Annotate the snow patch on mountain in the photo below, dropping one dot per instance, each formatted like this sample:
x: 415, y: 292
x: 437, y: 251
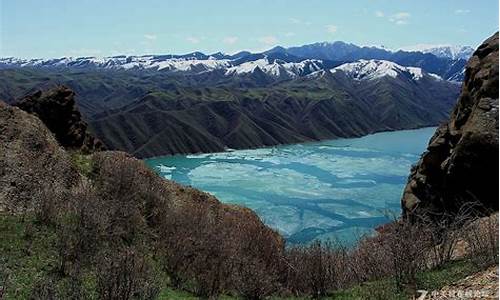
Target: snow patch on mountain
x: 374, y: 69
x: 125, y: 62
x: 446, y: 51
x: 277, y: 68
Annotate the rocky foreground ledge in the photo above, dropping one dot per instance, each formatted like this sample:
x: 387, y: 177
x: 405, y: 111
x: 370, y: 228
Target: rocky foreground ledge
x: 461, y: 162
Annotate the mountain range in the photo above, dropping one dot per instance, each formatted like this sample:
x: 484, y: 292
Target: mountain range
x: 447, y: 62
x: 447, y: 51
x: 167, y: 104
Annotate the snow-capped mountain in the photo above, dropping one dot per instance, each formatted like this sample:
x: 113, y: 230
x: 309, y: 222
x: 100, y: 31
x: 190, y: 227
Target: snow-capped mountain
x: 447, y: 63
x: 278, y: 63
x: 374, y: 69
x: 444, y: 51
x: 189, y: 64
x: 277, y: 68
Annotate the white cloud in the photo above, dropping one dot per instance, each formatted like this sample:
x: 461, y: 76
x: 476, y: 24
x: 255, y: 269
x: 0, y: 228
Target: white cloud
x: 400, y: 18
x: 193, y: 40
x: 150, y: 37
x: 379, y: 14
x: 299, y: 21
x: 331, y: 28
x: 289, y: 34
x: 269, y: 40
x: 230, y: 40
x: 462, y: 11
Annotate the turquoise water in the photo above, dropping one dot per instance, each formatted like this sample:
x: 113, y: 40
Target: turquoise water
x: 337, y: 189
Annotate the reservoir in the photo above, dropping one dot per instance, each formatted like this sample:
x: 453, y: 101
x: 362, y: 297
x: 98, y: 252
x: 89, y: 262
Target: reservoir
x: 336, y: 189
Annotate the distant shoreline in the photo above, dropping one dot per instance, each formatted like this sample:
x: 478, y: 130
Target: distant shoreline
x: 288, y: 144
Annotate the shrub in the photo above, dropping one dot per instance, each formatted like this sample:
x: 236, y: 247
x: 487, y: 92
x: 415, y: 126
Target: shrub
x: 482, y: 238
x: 407, y: 246
x: 125, y: 274
x: 315, y: 269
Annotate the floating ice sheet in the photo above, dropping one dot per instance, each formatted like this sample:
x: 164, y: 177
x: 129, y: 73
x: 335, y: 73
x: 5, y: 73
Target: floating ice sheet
x: 336, y: 189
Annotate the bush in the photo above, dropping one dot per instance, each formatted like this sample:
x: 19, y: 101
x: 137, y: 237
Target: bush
x: 125, y: 274
x: 315, y: 269
x: 82, y: 230
x: 208, y: 249
x: 407, y: 246
x: 482, y: 239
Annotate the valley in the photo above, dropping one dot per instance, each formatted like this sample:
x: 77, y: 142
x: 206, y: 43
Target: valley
x: 156, y: 113
x: 252, y: 150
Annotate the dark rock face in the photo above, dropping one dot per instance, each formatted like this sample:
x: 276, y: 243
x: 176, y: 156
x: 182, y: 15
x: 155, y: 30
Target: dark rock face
x: 461, y: 161
x: 58, y: 111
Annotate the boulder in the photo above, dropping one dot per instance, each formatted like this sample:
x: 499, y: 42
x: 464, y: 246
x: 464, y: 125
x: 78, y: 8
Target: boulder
x: 460, y: 165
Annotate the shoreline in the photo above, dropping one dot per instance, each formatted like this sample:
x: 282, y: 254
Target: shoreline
x: 288, y: 144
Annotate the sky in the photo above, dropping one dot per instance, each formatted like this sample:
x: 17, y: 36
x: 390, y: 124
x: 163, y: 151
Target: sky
x: 57, y: 28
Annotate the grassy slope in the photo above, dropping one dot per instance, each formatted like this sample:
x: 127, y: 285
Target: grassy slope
x: 28, y: 254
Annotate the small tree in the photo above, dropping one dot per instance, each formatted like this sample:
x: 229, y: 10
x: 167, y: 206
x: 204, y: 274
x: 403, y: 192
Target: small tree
x: 407, y: 246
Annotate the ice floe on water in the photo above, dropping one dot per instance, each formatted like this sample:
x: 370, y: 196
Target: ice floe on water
x: 338, y: 189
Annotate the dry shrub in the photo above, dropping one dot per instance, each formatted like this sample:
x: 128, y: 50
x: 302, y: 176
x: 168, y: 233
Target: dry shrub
x: 368, y: 261
x: 125, y: 274
x: 209, y: 248
x: 82, y: 229
x: 481, y: 236
x: 194, y: 252
x: 445, y: 233
x: 103, y: 230
x: 257, y: 254
x: 44, y: 289
x: 399, y: 250
x: 316, y: 269
x: 407, y: 246
x: 444, y: 237
x: 53, y: 200
x: 126, y: 217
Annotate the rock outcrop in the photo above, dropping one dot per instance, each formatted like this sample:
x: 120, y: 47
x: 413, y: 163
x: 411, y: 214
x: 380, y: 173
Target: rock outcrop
x: 58, y: 110
x: 461, y: 162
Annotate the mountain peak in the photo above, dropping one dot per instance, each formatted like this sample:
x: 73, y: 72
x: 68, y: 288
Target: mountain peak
x: 443, y: 51
x: 277, y: 49
x: 374, y: 69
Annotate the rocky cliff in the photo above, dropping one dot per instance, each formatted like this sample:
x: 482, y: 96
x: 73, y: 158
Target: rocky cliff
x: 58, y: 111
x: 461, y: 162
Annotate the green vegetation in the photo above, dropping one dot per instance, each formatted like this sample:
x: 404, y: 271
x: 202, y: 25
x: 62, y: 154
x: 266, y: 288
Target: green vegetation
x: 82, y: 162
x: 427, y: 280
x: 29, y: 256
